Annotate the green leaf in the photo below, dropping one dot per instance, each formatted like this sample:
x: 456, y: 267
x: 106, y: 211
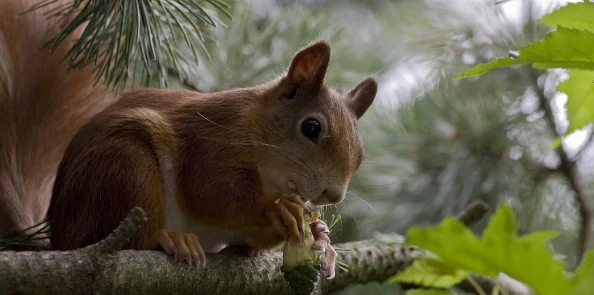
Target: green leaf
x: 539, y: 237
x: 580, y: 98
x: 563, y: 48
x: 430, y: 272
x: 502, y: 225
x: 448, y: 240
x: 573, y: 15
x: 525, y: 258
x: 583, y: 281
x: 429, y: 292
x: 482, y: 68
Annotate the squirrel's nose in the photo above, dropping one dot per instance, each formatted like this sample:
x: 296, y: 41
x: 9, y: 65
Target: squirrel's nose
x: 330, y: 196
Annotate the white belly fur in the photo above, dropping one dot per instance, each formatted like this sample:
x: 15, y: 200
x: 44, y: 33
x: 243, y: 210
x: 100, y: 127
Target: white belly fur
x: 211, y: 239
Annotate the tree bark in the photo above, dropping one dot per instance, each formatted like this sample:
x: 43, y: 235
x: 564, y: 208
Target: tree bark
x: 142, y: 272
x: 103, y: 269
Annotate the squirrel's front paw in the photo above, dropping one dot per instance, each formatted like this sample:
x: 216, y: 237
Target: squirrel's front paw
x: 183, y: 246
x: 286, y: 216
x: 320, y: 231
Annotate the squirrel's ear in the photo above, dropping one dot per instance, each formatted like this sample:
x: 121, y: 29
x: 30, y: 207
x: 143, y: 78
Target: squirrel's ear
x: 360, y: 98
x: 309, y: 65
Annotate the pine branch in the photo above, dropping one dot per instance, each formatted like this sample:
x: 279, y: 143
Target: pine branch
x: 35, y: 237
x: 100, y: 268
x: 569, y: 169
x: 124, y: 38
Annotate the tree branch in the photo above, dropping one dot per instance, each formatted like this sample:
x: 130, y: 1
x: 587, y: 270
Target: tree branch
x: 154, y: 272
x: 569, y: 170
x: 100, y: 268
x: 473, y: 213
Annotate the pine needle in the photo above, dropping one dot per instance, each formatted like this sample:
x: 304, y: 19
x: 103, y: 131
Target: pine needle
x: 134, y: 37
x: 18, y: 238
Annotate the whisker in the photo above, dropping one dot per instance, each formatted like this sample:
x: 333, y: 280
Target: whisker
x: 296, y: 156
x: 331, y: 167
x: 234, y: 131
x: 219, y: 125
x: 352, y: 214
x: 335, y: 234
x: 361, y: 199
x: 290, y: 168
x: 291, y: 160
x: 271, y: 146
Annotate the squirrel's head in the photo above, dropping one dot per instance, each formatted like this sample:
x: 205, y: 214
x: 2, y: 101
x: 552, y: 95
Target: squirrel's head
x: 313, y: 145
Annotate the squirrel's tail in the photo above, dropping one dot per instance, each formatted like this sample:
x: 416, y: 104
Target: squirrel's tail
x: 41, y: 108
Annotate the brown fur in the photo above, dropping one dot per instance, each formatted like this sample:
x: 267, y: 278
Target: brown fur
x: 229, y: 148
x: 41, y: 108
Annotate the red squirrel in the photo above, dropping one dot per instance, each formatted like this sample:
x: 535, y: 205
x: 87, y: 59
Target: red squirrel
x: 213, y: 171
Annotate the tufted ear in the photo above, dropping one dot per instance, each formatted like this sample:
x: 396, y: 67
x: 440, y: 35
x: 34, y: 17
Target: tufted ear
x: 360, y: 98
x: 309, y: 65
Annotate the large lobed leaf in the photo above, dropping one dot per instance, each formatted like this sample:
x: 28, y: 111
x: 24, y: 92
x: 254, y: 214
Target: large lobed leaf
x: 570, y: 46
x: 584, y: 276
x: 432, y: 272
x: 524, y: 258
x: 563, y: 48
x: 579, y: 87
x: 572, y: 15
x: 483, y: 68
x: 580, y: 103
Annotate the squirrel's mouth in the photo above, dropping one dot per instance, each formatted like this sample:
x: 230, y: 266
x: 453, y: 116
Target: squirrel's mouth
x: 294, y: 188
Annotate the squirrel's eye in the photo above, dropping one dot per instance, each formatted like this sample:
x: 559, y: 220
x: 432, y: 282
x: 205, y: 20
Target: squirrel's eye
x: 311, y: 128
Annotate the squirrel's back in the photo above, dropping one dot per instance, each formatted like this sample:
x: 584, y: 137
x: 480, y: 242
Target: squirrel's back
x: 41, y: 108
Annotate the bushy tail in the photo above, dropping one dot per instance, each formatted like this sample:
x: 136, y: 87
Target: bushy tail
x: 41, y: 108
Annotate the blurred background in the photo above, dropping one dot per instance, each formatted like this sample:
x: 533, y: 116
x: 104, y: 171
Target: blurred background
x: 434, y: 144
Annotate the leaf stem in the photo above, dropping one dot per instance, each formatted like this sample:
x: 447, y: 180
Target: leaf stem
x: 476, y: 286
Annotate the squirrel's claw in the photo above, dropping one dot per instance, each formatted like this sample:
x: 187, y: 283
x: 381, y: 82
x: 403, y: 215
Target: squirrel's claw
x: 286, y: 214
x: 183, y: 246
x: 320, y: 232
